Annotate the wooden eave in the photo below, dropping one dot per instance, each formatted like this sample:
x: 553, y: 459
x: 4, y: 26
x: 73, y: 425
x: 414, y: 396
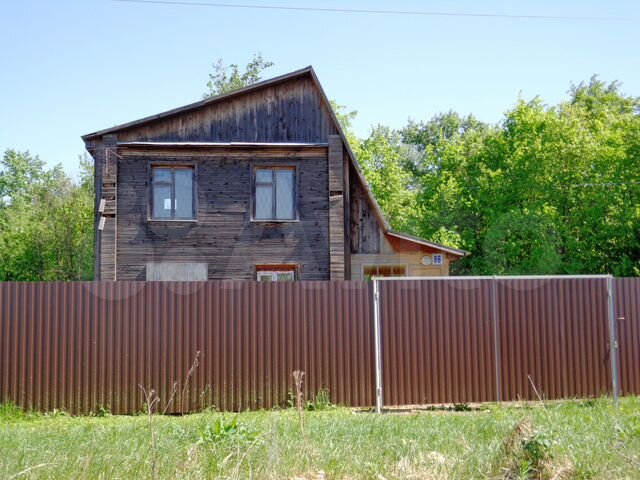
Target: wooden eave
x: 396, y: 238
x: 207, y: 145
x: 227, y: 149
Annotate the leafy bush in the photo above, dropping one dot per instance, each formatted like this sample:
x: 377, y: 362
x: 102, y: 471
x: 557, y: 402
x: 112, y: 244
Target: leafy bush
x: 221, y: 430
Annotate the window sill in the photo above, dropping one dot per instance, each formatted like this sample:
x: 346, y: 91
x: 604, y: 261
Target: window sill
x: 172, y: 220
x: 295, y: 220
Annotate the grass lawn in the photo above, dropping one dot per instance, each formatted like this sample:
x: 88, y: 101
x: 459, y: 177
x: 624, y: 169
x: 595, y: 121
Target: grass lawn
x: 574, y: 439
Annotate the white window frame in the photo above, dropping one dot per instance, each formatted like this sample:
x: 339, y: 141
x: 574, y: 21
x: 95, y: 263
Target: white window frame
x: 254, y: 183
x: 273, y: 274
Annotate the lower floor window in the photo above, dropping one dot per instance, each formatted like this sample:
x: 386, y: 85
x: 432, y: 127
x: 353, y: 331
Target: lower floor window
x: 275, y: 273
x: 384, y: 271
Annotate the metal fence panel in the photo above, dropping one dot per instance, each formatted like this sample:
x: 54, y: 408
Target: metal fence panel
x: 554, y: 336
x: 437, y: 341
x: 81, y: 346
x: 627, y: 308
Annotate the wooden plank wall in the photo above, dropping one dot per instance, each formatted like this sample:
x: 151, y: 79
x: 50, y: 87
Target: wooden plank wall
x: 347, y: 178
x: 411, y: 260
x: 365, y: 229
x: 336, y: 208
x: 108, y: 188
x: 224, y: 236
x: 287, y: 112
x: 95, y: 148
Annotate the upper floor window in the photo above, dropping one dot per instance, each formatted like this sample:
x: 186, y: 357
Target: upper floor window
x: 274, y: 193
x: 172, y: 193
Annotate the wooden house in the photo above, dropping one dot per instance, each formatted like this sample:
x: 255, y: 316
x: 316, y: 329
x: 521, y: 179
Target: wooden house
x: 259, y: 183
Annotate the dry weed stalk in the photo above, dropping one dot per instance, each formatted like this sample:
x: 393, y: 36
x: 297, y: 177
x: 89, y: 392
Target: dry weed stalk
x: 30, y: 469
x: 297, y: 382
x: 539, y: 397
x: 190, y: 373
x: 152, y: 401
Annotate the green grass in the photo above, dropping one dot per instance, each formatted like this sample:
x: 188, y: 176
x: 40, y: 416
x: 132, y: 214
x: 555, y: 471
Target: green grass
x: 580, y: 439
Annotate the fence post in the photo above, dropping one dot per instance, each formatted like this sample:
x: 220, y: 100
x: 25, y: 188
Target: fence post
x: 377, y: 345
x: 613, y: 342
x: 496, y: 345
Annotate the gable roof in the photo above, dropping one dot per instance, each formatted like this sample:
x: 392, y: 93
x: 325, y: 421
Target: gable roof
x: 307, y: 71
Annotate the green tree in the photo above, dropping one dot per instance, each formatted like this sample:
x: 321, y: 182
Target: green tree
x: 383, y: 159
x: 551, y: 189
x: 46, y: 221
x: 226, y: 79
x: 345, y: 119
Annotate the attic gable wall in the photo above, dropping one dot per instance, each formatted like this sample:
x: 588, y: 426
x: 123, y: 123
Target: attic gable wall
x: 292, y: 111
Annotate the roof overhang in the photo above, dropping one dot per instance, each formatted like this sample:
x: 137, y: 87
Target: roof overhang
x: 426, y: 243
x: 208, y: 145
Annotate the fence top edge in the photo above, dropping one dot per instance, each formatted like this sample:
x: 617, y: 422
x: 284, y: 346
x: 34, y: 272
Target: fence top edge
x: 492, y: 277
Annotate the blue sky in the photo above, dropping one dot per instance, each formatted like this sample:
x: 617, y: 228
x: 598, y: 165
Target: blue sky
x: 71, y: 67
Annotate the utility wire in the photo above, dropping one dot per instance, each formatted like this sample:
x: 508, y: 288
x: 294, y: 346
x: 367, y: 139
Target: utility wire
x: 383, y: 12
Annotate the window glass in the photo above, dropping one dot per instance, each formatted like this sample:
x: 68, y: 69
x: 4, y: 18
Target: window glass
x: 384, y: 271
x: 278, y: 273
x: 161, y: 175
x: 398, y: 271
x: 264, y: 175
x: 161, y: 201
x: 172, y: 194
x: 284, y: 194
x: 183, y: 203
x: 264, y: 202
x: 285, y: 276
x: 265, y: 276
x: 274, y: 194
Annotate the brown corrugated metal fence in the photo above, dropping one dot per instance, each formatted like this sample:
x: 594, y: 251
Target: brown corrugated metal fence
x: 627, y: 294
x: 81, y: 346
x: 553, y: 338
x: 437, y: 342
x: 499, y: 339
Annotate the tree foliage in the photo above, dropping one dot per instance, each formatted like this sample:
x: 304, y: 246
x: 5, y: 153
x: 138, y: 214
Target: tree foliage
x: 226, y: 79
x: 383, y: 157
x: 550, y: 189
x: 46, y: 220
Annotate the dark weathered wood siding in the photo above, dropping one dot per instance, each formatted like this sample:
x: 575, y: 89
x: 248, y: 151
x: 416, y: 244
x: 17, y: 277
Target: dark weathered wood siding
x: 338, y: 215
x: 286, y: 112
x: 365, y: 228
x: 336, y: 208
x: 223, y: 236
